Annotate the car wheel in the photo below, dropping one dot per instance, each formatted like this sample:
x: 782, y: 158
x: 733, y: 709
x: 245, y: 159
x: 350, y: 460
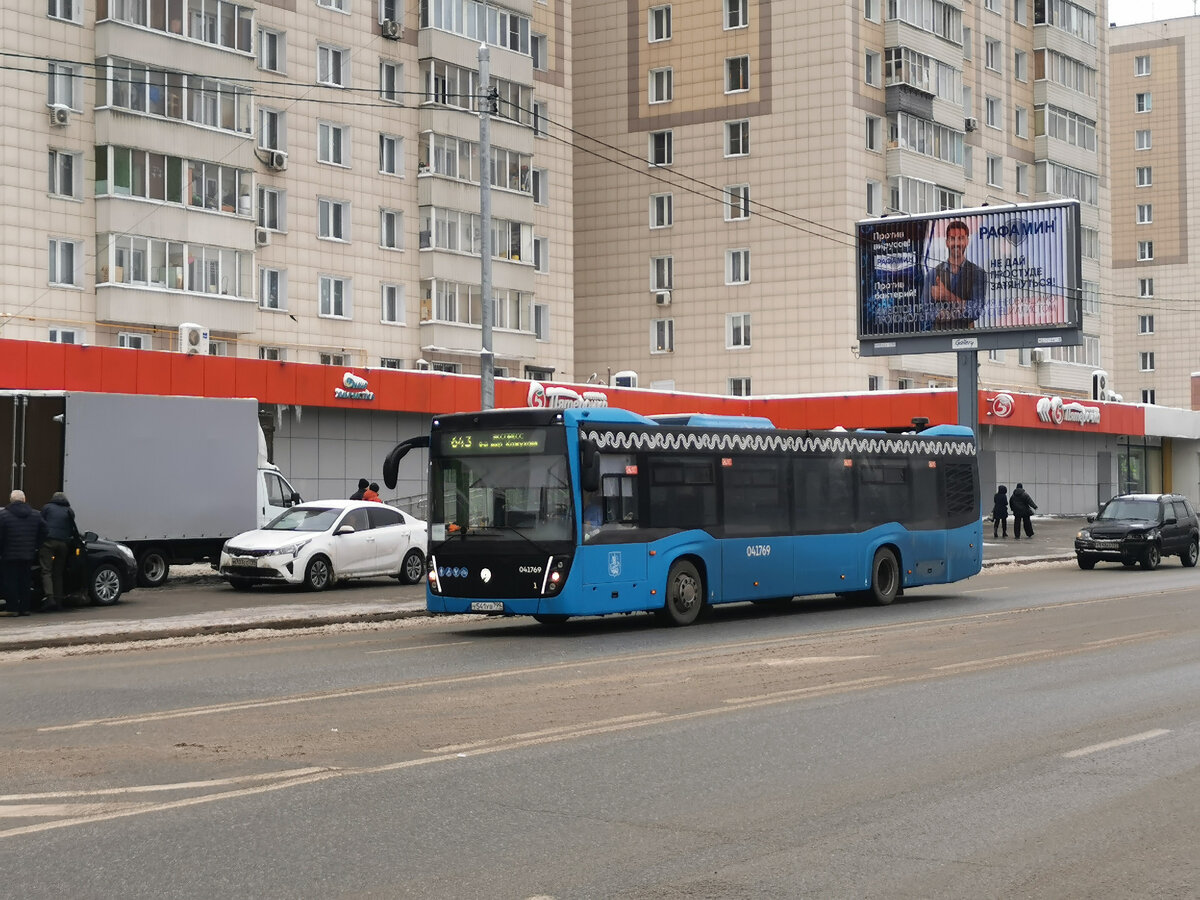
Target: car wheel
x: 104, y: 587
x: 153, y: 567
x: 1086, y: 562
x: 240, y: 584
x: 1129, y: 563
x: 319, y: 574
x: 1191, y: 554
x: 685, y: 594
x: 412, y: 570
x: 885, y: 577
x: 1152, y: 557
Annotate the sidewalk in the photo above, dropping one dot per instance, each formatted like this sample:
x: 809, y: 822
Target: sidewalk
x: 1052, y: 540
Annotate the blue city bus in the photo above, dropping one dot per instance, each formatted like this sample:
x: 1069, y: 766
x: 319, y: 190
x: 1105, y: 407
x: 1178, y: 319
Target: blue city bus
x: 554, y: 513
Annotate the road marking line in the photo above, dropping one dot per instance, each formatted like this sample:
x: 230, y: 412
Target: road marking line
x: 41, y: 810
x: 996, y: 659
x: 420, y: 647
x: 808, y: 660
x: 458, y: 748
x: 800, y: 692
x: 1119, y: 742
x: 154, y: 788
x: 1128, y: 637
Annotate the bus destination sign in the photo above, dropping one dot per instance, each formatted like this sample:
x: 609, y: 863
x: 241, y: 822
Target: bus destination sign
x: 508, y: 440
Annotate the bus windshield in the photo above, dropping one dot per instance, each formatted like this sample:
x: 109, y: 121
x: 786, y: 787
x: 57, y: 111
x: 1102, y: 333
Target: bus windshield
x: 528, y: 494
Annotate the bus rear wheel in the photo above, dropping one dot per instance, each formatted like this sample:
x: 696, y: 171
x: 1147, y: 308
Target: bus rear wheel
x: 685, y: 594
x: 885, y: 577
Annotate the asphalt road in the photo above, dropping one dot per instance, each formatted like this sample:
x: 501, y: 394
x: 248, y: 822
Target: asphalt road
x: 1031, y: 733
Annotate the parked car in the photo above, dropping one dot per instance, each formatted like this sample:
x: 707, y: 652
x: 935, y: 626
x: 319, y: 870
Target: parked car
x: 1140, y: 528
x: 98, y: 572
x: 325, y: 541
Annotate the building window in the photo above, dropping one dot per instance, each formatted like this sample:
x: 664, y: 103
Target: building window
x: 391, y: 229
x: 63, y: 256
x: 739, y: 386
x: 272, y: 288
x: 1145, y: 250
x: 662, y: 336
x: 541, y: 254
x: 662, y: 273
x: 1022, y: 179
x: 872, y: 128
x: 272, y: 131
x: 1019, y: 12
x: 1145, y: 324
x: 968, y: 43
x: 1146, y: 361
x: 905, y: 384
x: 272, y: 51
x: 1143, y: 102
x: 128, y: 340
x: 662, y: 149
x: 540, y: 119
x: 272, y: 208
x: 737, y: 202
x: 331, y: 359
x: 391, y: 362
x: 541, y: 321
x: 218, y: 348
x: 871, y: 10
x: 69, y: 10
x: 333, y: 220
x: 333, y: 143
x: 539, y: 51
x: 871, y: 68
x: 992, y: 5
x: 1145, y: 176
x: 391, y: 154
x: 991, y: 112
x: 63, y: 85
x: 737, y: 266
x: 391, y: 304
x: 333, y: 66
x: 661, y: 85
x: 391, y: 81
x: 1021, y: 122
x: 1148, y: 395
x: 737, y: 331
x: 64, y: 171
x: 65, y: 336
x: 1089, y: 242
x: 737, y: 74
x: 448, y: 368
x: 1145, y: 213
x: 737, y: 138
x: 660, y: 23
x: 1024, y: 356
x: 537, y: 186
x: 275, y: 354
x: 874, y: 383
x: 1145, y: 287
x: 662, y: 210
x: 993, y: 52
x: 995, y: 171
x: 339, y: 5
x: 737, y: 14
x: 1020, y: 63
x: 334, y: 297
x: 1141, y: 66
x: 874, y: 198
x: 1141, y: 140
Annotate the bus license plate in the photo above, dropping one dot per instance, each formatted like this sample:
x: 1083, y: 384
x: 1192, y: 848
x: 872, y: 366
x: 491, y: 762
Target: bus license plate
x: 487, y: 606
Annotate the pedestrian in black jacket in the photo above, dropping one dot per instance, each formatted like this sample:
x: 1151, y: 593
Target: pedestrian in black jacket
x: 52, y: 557
x: 22, y: 531
x: 1000, y: 512
x: 1022, y: 508
x: 363, y: 484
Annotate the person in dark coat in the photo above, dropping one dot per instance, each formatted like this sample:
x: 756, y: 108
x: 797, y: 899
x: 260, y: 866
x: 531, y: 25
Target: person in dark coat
x: 363, y: 484
x: 1000, y: 512
x: 52, y: 557
x: 22, y: 531
x: 1022, y: 508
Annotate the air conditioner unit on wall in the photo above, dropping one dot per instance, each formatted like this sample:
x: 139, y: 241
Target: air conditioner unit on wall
x: 662, y: 298
x: 970, y: 123
x: 392, y: 29
x: 277, y: 160
x: 1099, y: 385
x: 262, y: 237
x: 60, y: 115
x: 193, y: 339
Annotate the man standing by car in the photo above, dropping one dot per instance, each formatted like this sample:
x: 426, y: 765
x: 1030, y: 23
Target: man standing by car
x: 1022, y: 507
x: 52, y: 557
x: 21, y: 534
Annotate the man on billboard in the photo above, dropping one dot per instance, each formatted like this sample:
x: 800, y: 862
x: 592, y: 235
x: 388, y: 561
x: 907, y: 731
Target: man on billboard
x: 959, y: 287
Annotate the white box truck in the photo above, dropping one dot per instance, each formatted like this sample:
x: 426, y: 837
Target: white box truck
x: 171, y: 477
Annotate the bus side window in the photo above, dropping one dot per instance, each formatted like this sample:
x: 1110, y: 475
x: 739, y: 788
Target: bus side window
x: 824, y: 498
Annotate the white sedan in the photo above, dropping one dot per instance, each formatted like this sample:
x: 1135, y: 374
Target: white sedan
x: 324, y: 541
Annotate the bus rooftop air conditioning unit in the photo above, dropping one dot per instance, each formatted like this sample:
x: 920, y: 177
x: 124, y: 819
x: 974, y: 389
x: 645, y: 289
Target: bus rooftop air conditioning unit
x: 392, y: 29
x: 277, y: 160
x: 193, y: 339
x: 60, y: 115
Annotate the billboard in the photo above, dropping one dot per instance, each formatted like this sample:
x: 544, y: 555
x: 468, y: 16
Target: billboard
x: 970, y: 273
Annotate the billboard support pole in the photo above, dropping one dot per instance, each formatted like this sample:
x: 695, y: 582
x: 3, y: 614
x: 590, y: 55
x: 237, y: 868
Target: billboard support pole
x: 968, y: 389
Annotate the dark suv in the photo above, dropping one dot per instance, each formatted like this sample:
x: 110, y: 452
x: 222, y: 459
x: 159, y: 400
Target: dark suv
x: 1140, y: 528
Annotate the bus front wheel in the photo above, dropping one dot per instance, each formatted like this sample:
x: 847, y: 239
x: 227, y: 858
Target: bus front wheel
x: 885, y: 577
x: 685, y: 594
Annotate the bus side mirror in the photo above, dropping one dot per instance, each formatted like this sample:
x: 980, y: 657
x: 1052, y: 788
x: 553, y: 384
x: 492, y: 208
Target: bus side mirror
x: 589, y: 466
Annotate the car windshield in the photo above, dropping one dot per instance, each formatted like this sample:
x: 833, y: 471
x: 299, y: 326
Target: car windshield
x: 1126, y: 509
x: 304, y: 518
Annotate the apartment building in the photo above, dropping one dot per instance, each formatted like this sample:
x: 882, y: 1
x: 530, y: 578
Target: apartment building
x: 295, y: 180
x: 726, y: 150
x: 1155, y: 204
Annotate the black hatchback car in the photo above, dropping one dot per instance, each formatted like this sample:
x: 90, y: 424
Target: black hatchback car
x: 1140, y: 528
x: 98, y: 571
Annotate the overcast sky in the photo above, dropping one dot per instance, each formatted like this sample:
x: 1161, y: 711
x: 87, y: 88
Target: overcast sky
x: 1127, y: 12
